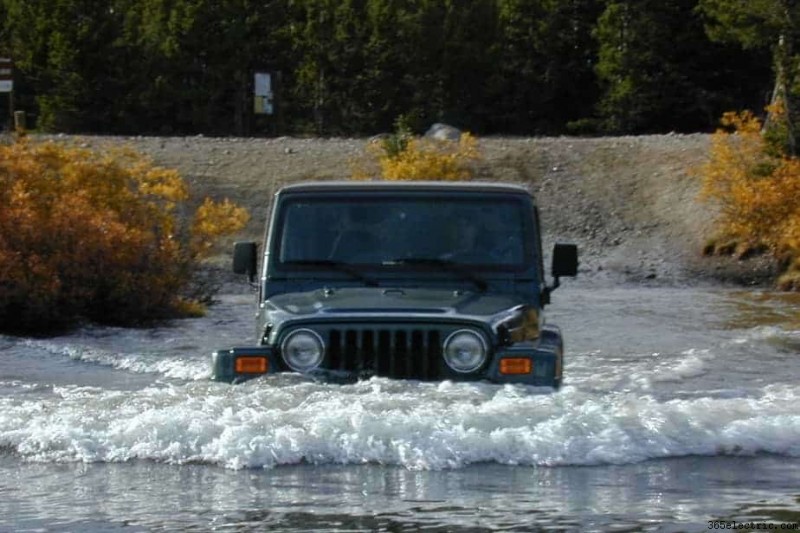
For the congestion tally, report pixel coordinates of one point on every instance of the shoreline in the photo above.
(630, 203)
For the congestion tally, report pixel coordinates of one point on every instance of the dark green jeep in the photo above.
(407, 280)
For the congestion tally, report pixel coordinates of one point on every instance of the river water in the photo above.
(680, 412)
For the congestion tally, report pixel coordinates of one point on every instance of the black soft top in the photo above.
(407, 186)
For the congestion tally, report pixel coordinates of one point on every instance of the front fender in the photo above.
(546, 357)
(242, 363)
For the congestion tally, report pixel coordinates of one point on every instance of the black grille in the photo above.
(394, 353)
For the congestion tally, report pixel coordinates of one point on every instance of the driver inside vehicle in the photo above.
(482, 240)
(466, 242)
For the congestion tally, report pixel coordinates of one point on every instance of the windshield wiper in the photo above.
(445, 264)
(347, 268)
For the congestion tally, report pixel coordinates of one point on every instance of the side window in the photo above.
(537, 242)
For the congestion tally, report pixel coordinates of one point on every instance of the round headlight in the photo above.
(302, 350)
(465, 351)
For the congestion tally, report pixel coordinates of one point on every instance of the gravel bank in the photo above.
(630, 203)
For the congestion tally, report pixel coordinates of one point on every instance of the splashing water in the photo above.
(621, 404)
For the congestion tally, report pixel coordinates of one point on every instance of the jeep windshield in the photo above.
(466, 233)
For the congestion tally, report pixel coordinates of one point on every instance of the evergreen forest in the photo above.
(360, 67)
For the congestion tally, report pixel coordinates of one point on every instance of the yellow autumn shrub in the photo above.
(98, 236)
(404, 157)
(757, 190)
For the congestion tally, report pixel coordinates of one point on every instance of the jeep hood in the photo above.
(369, 300)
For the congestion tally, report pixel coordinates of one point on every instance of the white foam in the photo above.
(690, 364)
(762, 333)
(285, 420)
(631, 372)
(169, 366)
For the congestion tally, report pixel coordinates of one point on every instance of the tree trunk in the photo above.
(782, 104)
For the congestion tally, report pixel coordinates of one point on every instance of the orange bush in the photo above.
(420, 159)
(97, 236)
(757, 189)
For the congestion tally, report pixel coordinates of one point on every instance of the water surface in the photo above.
(680, 406)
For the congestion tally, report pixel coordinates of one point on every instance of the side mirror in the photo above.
(245, 259)
(565, 260)
(565, 263)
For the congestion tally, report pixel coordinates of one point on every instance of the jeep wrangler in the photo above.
(407, 280)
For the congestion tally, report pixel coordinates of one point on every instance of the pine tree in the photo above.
(660, 72)
(772, 25)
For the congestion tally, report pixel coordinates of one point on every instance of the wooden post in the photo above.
(19, 121)
(8, 122)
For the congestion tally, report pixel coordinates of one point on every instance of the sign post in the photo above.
(263, 101)
(7, 81)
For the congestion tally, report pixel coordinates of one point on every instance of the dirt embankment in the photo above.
(629, 202)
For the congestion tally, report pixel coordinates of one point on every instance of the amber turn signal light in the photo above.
(515, 365)
(251, 365)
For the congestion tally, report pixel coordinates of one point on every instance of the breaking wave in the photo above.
(285, 420)
(638, 387)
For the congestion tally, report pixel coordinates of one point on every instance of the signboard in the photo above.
(6, 75)
(263, 94)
